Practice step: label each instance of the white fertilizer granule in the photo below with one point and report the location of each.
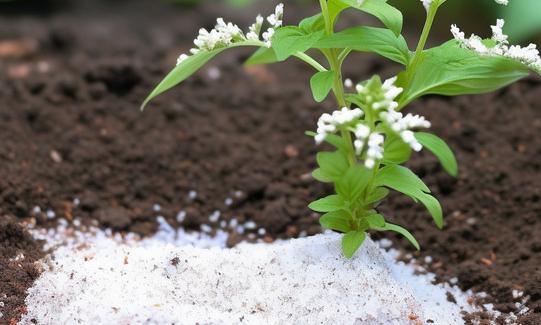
(302, 281)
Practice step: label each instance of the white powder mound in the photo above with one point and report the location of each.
(301, 281)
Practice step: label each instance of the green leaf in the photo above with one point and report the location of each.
(400, 179)
(433, 206)
(321, 84)
(351, 242)
(403, 180)
(378, 194)
(403, 232)
(440, 149)
(335, 7)
(312, 24)
(353, 182)
(395, 150)
(369, 39)
(336, 220)
(450, 70)
(320, 176)
(328, 204)
(332, 164)
(263, 55)
(389, 15)
(291, 39)
(376, 220)
(188, 67)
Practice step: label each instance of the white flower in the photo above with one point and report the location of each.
(375, 149)
(329, 123)
(389, 94)
(225, 34)
(255, 29)
(275, 19)
(348, 83)
(267, 37)
(427, 3)
(528, 55)
(502, 2)
(182, 58)
(403, 125)
(361, 134)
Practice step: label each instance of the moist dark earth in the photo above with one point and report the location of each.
(72, 77)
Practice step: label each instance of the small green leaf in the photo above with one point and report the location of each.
(378, 194)
(328, 204)
(351, 242)
(291, 39)
(321, 84)
(400, 179)
(319, 175)
(389, 15)
(376, 220)
(440, 149)
(354, 181)
(336, 220)
(369, 39)
(312, 24)
(403, 180)
(263, 55)
(395, 150)
(433, 206)
(403, 232)
(332, 164)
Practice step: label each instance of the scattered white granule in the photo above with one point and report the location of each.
(261, 231)
(156, 208)
(228, 201)
(181, 216)
(192, 195)
(215, 216)
(206, 228)
(50, 214)
(250, 225)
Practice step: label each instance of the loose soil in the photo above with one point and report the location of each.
(71, 81)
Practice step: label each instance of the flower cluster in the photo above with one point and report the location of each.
(225, 34)
(380, 107)
(330, 123)
(528, 55)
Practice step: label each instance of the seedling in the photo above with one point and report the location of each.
(370, 136)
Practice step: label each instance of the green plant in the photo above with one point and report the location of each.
(371, 138)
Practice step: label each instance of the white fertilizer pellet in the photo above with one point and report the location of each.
(303, 281)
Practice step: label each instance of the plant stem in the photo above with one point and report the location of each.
(306, 58)
(332, 57)
(431, 14)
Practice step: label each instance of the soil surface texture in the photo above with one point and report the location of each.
(75, 145)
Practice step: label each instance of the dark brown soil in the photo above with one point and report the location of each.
(70, 85)
(18, 268)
